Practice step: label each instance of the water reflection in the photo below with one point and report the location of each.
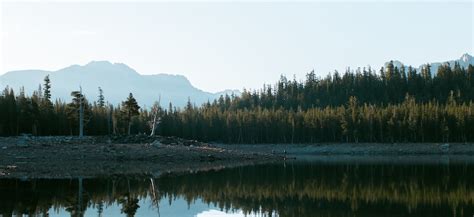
(297, 189)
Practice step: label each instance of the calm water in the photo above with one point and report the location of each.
(293, 189)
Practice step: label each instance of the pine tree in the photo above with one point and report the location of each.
(101, 99)
(47, 103)
(74, 110)
(130, 109)
(46, 108)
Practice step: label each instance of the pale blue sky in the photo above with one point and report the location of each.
(234, 45)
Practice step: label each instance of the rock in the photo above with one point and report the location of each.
(166, 140)
(156, 143)
(11, 167)
(444, 147)
(22, 141)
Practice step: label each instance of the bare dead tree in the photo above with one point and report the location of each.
(155, 110)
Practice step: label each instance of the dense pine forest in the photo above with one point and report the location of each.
(389, 105)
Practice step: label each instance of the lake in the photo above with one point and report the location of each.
(295, 188)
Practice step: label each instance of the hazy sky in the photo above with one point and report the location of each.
(235, 44)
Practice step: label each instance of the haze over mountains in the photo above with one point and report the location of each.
(117, 80)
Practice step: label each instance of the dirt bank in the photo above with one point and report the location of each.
(65, 157)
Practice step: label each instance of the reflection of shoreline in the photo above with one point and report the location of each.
(297, 189)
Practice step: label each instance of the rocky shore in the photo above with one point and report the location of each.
(68, 157)
(98, 156)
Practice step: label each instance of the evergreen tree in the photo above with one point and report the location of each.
(359, 106)
(46, 108)
(101, 98)
(47, 91)
(73, 112)
(130, 109)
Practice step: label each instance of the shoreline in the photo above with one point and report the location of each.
(360, 149)
(139, 155)
(90, 157)
(368, 153)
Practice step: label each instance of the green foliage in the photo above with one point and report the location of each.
(101, 98)
(398, 105)
(47, 92)
(130, 109)
(28, 114)
(395, 105)
(73, 110)
(404, 122)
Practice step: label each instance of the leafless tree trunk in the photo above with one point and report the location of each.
(156, 120)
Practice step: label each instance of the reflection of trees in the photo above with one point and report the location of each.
(305, 190)
(38, 196)
(100, 208)
(295, 190)
(76, 207)
(129, 205)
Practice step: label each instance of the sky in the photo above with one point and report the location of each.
(233, 44)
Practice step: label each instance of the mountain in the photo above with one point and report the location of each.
(463, 61)
(117, 80)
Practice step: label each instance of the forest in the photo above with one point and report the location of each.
(363, 105)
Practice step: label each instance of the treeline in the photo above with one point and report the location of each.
(353, 122)
(392, 105)
(38, 115)
(388, 86)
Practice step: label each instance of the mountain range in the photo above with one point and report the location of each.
(117, 80)
(463, 61)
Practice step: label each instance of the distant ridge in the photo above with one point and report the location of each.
(116, 80)
(463, 61)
